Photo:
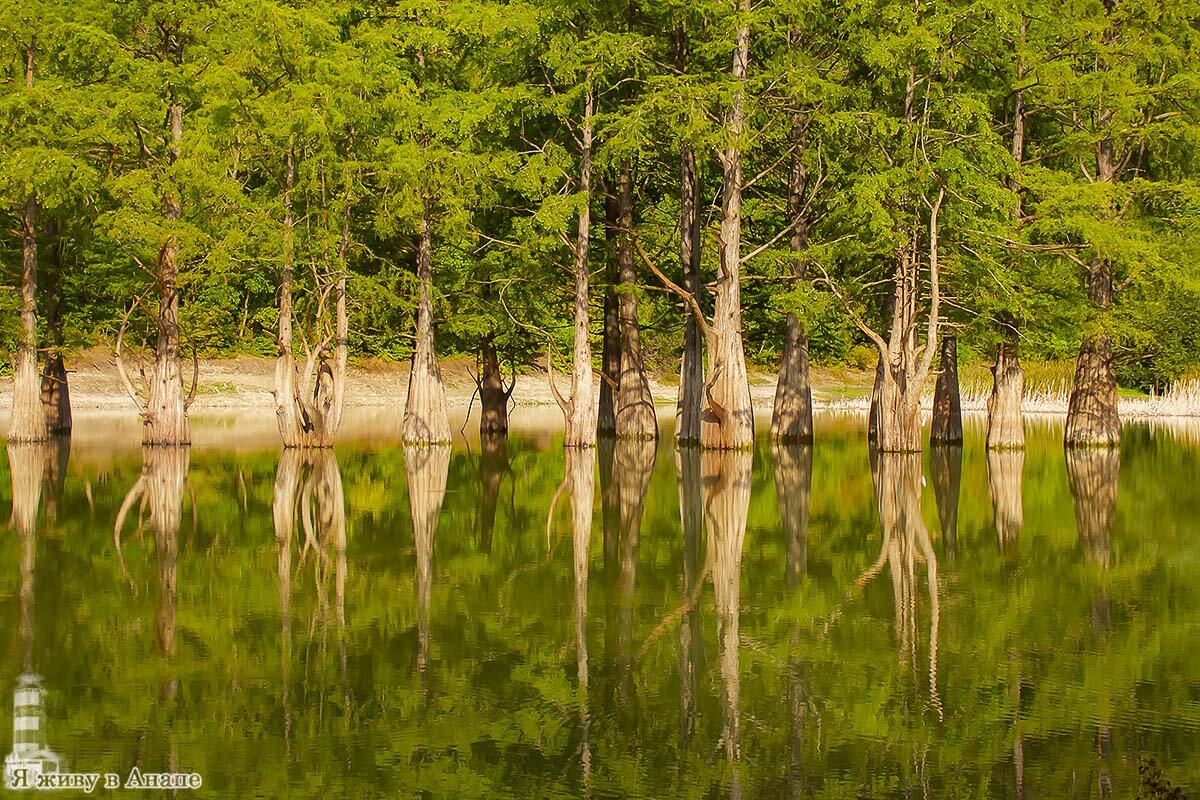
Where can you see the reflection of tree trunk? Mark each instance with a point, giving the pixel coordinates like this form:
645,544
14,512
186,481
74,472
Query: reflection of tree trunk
634,406
946,466
581,479
906,541
27,463
793,480
633,464
1005,474
1094,475
946,425
725,481
493,466
691,638
283,512
427,469
610,518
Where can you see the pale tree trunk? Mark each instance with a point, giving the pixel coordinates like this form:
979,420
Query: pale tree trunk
726,479
28,423
634,406
610,351
690,398
727,421
309,403
1006,469
56,394
1006,425
946,426
633,465
791,417
1094,475
580,411
580,477
427,468
1092,419
165,418
425,417
691,635
493,394
945,463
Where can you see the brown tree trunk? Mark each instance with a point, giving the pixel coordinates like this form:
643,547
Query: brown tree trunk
425,417
876,398
727,421
1005,476
691,635
634,406
946,425
493,395
1006,425
1092,419
791,417
726,480
28,422
945,463
610,353
580,412
56,394
691,367
426,467
165,420
1094,475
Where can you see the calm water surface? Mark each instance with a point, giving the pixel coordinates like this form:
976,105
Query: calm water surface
510,621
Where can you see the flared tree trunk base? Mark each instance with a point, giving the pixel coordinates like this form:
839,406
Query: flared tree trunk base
946,424
56,396
1092,419
1006,425
791,416
28,422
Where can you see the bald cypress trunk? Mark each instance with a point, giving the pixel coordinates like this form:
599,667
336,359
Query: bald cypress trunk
727,421
690,397
634,406
1092,418
1006,424
56,394
425,417
493,394
28,423
610,352
946,427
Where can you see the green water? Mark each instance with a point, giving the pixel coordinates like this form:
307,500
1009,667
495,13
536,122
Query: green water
1022,627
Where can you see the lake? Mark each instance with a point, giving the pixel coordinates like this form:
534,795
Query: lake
506,620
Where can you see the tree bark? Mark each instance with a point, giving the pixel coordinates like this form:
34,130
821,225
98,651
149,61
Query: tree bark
610,353
946,426
56,394
1092,418
1006,425
580,411
690,399
791,417
493,394
727,421
425,417
634,406
165,418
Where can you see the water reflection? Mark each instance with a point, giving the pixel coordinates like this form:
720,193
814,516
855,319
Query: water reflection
906,542
493,466
580,478
793,483
427,468
945,461
31,466
691,636
1093,475
725,483
1005,471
